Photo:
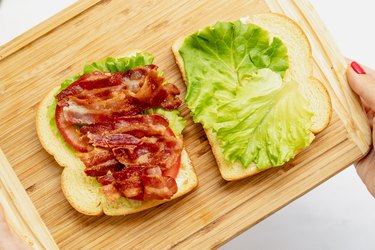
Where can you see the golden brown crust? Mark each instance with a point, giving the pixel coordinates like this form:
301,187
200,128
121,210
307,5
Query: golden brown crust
328,106
229,171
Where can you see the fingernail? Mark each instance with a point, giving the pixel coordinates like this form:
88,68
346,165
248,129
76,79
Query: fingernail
357,68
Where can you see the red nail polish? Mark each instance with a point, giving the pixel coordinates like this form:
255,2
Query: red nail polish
357,68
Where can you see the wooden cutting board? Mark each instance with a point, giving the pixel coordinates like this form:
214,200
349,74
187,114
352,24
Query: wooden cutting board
218,210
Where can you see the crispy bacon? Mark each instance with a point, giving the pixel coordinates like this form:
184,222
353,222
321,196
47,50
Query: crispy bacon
86,82
142,183
147,157
110,192
90,111
171,101
161,152
96,156
132,154
106,179
109,140
158,187
152,91
125,121
97,128
102,169
98,96
129,183
102,80
99,161
138,125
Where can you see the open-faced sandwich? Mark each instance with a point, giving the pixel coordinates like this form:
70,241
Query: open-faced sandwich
250,84
116,130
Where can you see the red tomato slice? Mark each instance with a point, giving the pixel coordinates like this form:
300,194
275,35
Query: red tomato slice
69,132
173,171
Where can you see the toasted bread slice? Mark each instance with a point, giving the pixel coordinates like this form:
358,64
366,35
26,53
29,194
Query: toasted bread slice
300,69
82,191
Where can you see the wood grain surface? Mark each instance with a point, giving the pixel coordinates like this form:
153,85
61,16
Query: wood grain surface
217,210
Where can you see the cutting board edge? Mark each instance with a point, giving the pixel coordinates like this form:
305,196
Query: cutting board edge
350,111
19,210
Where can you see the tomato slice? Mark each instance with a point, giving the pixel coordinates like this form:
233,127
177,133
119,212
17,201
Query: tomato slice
173,171
69,132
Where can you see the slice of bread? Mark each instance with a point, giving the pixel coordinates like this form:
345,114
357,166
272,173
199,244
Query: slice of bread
300,70
82,191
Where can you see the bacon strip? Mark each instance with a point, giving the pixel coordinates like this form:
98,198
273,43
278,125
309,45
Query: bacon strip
158,187
99,80
171,101
99,161
133,155
86,82
98,96
91,111
96,156
141,183
147,157
112,140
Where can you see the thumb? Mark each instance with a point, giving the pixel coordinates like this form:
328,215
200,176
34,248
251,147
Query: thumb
363,84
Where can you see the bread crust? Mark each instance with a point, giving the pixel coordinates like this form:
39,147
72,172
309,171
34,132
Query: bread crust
236,171
81,191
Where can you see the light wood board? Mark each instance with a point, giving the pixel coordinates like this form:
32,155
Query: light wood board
218,210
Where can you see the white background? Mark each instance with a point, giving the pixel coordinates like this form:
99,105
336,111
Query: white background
339,214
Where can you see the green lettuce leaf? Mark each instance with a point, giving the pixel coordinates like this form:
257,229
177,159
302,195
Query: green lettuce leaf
176,122
235,88
113,65
269,131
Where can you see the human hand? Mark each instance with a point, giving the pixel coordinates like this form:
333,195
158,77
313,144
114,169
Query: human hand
362,81
7,239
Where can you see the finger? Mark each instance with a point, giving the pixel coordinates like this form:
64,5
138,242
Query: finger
370,118
365,106
5,232
1,212
366,171
3,223
2,219
8,240
362,166
368,70
363,85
